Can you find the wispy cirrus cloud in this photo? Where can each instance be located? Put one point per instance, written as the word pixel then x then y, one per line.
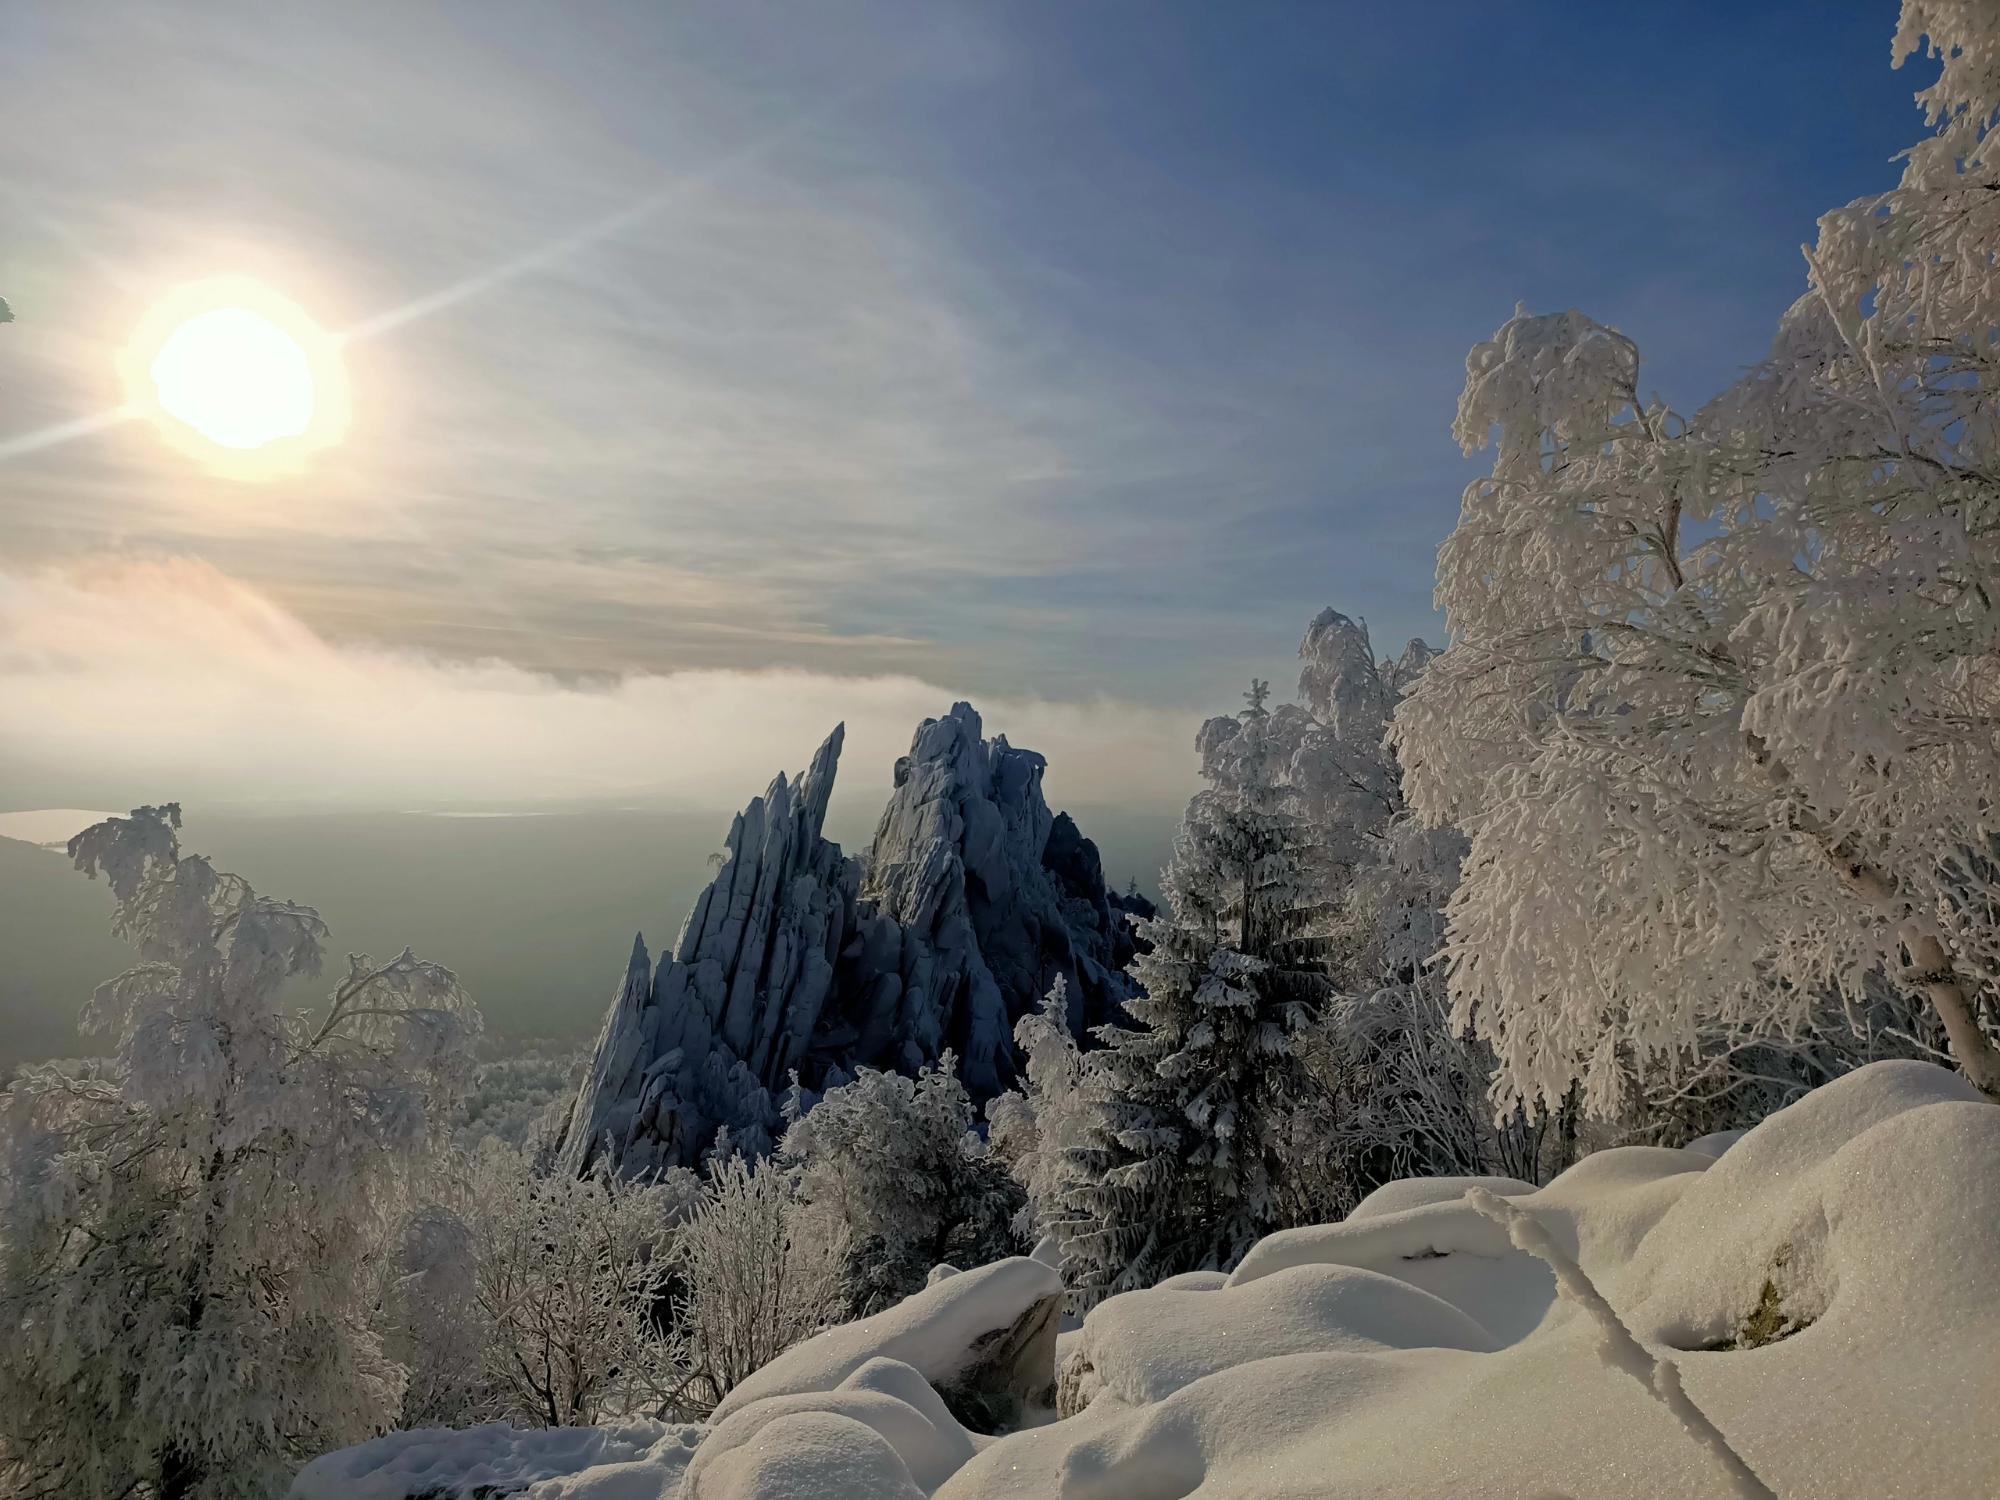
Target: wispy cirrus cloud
pixel 1073 350
pixel 693 303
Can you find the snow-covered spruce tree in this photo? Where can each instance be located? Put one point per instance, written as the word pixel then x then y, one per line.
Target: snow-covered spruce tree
pixel 1711 776
pixel 894 1164
pixel 1180 1171
pixel 1390 1089
pixel 1387 1086
pixel 185 1303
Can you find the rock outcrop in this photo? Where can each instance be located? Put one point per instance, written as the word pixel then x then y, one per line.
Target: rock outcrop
pixel 801 962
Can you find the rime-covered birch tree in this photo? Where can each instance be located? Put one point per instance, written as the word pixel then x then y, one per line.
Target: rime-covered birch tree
pixel 1721 711
pixel 185 1302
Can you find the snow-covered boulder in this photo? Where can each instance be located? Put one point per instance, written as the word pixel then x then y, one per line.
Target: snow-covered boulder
pixel 975 900
pixel 1829 1288
pixel 1146 1345
pixel 969 1344
pixel 1418 1192
pixel 826 1454
pixel 984 1334
pixel 926 1442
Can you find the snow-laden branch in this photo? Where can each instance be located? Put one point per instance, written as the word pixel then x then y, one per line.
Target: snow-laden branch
pixel 1620 1349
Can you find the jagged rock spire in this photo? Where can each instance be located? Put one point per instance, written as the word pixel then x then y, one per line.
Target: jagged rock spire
pixel 792 963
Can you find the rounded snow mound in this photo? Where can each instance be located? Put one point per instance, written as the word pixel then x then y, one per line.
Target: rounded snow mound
pixel 925 1445
pixel 942 1332
pixel 1146 1345
pixel 1828 1285
pixel 986 1336
pixel 1420 1192
pixel 811 1455
pixel 1853 1187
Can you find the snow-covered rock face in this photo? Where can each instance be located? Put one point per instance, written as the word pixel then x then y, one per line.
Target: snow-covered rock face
pixel 974 901
pixel 960 864
pixel 733 1008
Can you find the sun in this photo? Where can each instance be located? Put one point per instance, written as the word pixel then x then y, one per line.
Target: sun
pixel 235 377
pixel 238 377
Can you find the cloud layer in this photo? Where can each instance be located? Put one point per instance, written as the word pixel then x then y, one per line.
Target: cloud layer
pixel 129 680
pixel 722 345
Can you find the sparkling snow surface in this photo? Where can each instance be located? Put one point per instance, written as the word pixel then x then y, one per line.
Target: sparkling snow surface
pixel 627 1461
pixel 1413 1352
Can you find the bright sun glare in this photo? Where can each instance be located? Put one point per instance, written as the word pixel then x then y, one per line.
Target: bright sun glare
pixel 235 377
pixel 239 377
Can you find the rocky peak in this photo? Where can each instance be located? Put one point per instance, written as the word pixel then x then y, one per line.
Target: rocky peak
pixel 799 960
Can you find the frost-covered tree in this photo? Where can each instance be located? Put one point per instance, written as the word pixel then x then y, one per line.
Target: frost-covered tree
pixel 570 1278
pixel 1248 866
pixel 1387 1086
pixel 1721 712
pixel 1181 1168
pixel 184 1291
pixel 534 1297
pixel 894 1163
pixel 520 1096
pixel 1391 1088
pixel 1037 1130
pixel 432 1324
pixel 757 1273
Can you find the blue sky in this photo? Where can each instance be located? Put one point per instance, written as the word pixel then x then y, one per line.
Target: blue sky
pixel 1072 352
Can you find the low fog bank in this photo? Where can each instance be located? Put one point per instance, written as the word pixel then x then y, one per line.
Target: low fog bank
pixel 169 675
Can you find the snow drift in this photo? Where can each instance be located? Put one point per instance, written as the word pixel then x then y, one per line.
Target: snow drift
pixel 1828 1285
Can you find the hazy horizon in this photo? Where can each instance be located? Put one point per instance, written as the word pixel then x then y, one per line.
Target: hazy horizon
pixel 535 911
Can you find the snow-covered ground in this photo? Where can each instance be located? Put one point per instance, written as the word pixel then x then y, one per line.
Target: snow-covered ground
pixel 1828 1287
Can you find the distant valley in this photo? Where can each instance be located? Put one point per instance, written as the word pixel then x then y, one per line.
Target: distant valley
pixel 535 911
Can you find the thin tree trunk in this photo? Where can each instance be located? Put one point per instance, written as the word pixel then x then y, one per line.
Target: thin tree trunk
pixel 180 1470
pixel 1974 1050
pixel 1932 969
pixel 1934 974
